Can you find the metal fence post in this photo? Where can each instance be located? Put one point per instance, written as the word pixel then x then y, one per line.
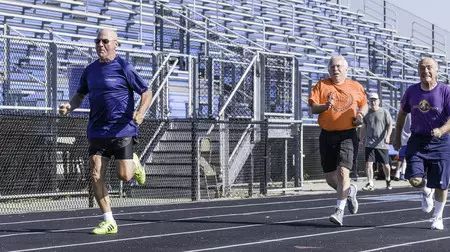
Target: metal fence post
pixel 298 114
pixel 52 77
pixel 209 76
pixel 194 171
pixel 266 176
pixel 6 74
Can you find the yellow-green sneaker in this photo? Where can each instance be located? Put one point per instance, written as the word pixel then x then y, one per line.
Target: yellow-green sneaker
pixel 105 227
pixel 139 175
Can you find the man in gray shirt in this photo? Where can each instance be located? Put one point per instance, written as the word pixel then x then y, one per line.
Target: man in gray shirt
pixel 375 135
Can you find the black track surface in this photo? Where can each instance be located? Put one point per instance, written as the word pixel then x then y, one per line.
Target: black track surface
pixel 386 221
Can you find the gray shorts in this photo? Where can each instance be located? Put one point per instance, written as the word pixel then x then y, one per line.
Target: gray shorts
pixel 377 155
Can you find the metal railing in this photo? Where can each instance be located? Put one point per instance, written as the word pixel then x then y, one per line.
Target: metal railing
pixel 233 92
pixel 245 49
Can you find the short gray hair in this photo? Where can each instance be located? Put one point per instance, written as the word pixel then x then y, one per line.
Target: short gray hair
pixel 337 57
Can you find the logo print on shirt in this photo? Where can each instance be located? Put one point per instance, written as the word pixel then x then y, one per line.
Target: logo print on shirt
pixel 341 101
pixel 425 107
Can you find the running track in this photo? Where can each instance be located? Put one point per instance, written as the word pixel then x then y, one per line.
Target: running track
pixel 386 221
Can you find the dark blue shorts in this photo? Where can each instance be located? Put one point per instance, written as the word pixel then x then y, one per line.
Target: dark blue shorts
pixel 429 156
pixel 438 175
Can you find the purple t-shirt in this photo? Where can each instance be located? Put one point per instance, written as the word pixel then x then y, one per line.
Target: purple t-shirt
pixel 429 109
pixel 110 86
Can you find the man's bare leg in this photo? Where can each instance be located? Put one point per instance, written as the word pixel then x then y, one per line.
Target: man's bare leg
pixel 99 165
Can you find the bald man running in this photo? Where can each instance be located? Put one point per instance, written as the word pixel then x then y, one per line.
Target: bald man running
pixel 111 82
pixel 427 151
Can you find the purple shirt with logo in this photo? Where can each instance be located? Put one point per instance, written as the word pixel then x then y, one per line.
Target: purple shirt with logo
pixel 111 88
pixel 429 109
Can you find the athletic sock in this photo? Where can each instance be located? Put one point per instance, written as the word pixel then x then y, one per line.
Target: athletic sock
pixel 341 204
pixel 108 216
pixel 438 208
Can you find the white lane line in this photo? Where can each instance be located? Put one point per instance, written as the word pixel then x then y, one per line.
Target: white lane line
pixel 167 211
pixel 183 219
pixel 231 228
pixel 184 209
pixel 307 236
pixel 407 243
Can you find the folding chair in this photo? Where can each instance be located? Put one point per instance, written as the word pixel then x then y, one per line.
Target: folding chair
pixel 206 168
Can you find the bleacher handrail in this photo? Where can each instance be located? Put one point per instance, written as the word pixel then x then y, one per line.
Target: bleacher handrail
pixel 74 47
pixel 348 34
pixel 224 27
pixel 244 75
pixel 201 37
pixel 406 53
pixel 376 18
pixel 23 36
pixel 6 107
pixel 385 80
pixel 233 92
pixel 165 84
pixel 80 44
pixel 433 39
pixel 141 6
pixel 28 74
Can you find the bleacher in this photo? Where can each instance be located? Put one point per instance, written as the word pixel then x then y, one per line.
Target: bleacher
pixel 46 43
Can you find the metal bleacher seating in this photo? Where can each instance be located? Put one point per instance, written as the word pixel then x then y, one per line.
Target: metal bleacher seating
pixel 310 29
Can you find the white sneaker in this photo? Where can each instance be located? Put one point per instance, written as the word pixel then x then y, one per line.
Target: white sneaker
pixel 427 201
pixel 352 202
pixel 437 223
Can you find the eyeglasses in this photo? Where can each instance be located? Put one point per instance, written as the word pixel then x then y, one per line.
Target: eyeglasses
pixel 104 41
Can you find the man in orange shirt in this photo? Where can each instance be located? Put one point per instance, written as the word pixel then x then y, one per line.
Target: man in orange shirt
pixel 341 104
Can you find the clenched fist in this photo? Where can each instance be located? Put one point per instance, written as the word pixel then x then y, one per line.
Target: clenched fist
pixel 436 133
pixel 138 117
pixel 64 109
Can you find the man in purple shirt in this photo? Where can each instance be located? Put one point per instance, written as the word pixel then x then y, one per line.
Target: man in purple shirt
pixel 113 124
pixel 428 148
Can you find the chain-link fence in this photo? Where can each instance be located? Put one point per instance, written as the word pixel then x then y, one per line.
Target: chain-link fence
pixel 27 69
pixel 44 162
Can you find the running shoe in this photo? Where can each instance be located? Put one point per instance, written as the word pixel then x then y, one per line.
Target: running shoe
pixel 437 223
pixel 427 201
pixel 338 217
pixel 368 187
pixel 139 175
pixel 388 185
pixel 352 202
pixel 105 227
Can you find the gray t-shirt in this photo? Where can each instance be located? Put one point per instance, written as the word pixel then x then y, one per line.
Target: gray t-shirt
pixel 375 128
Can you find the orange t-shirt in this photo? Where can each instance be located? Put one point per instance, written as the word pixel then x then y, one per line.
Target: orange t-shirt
pixel 346 97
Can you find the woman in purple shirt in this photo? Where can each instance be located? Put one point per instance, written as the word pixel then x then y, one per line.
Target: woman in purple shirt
pixel 428 148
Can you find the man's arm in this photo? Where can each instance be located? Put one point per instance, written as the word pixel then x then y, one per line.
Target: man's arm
pixel 401 117
pixel 389 130
pixel 146 99
pixel 319 108
pixel 73 104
